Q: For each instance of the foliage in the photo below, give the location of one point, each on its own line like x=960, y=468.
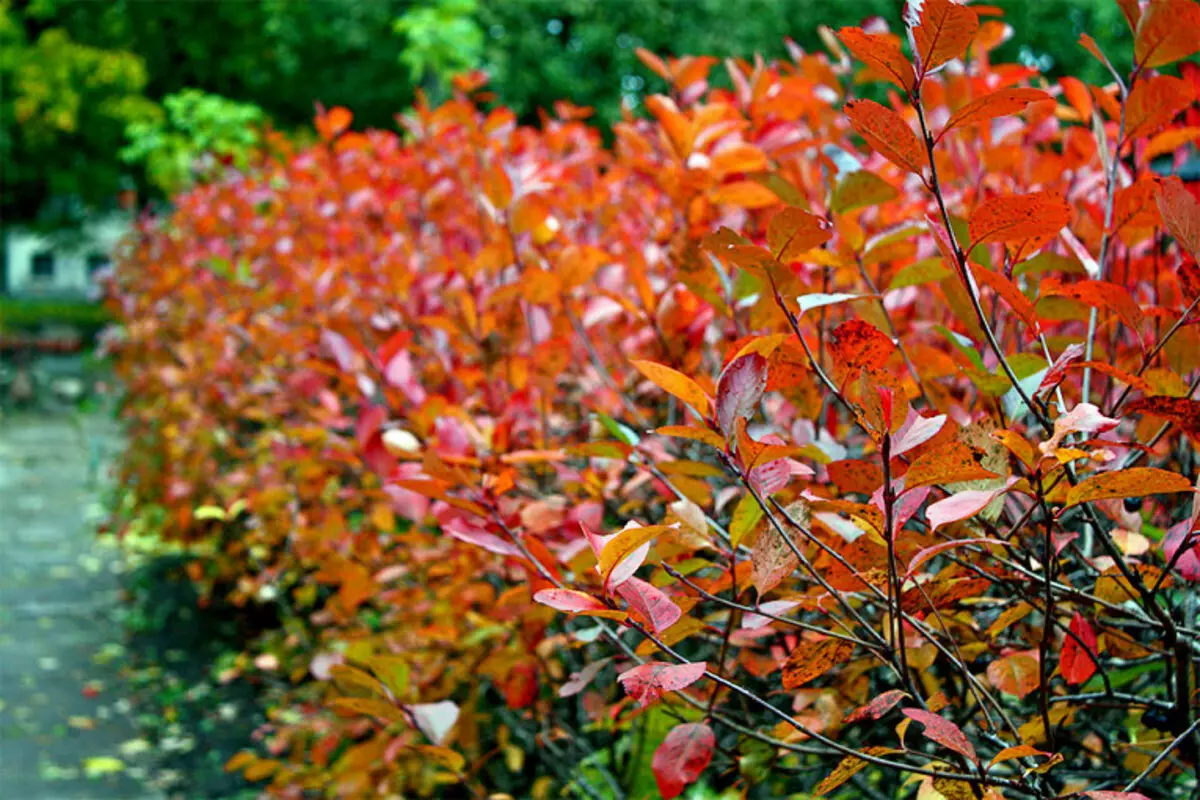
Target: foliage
x=797, y=442
x=198, y=128
x=63, y=113
x=442, y=39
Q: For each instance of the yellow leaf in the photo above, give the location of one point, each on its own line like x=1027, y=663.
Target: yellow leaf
x=1136, y=482
x=675, y=383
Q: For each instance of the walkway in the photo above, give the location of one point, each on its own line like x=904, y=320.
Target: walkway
x=64, y=732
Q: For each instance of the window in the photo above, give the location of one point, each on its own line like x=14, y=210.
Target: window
x=42, y=265
x=96, y=262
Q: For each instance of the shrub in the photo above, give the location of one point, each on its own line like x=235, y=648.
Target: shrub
x=723, y=455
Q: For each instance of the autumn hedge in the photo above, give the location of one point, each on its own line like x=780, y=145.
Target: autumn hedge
x=721, y=455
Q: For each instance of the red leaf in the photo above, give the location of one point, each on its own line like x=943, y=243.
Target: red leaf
x=739, y=389
x=1024, y=222
x=859, y=345
x=879, y=705
x=1116, y=795
x=1181, y=212
x=650, y=681
x=1183, y=411
x=1077, y=664
x=1058, y=370
x=682, y=757
x=944, y=732
x=651, y=603
x=888, y=133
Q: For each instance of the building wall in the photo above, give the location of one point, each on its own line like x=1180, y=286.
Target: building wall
x=71, y=272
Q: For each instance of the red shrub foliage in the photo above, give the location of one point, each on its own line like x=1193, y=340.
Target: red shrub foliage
x=790, y=419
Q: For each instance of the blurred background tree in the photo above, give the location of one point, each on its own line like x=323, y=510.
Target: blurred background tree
x=199, y=134
x=79, y=79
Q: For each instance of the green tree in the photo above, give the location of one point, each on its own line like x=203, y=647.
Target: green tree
x=64, y=108
x=441, y=39
x=200, y=133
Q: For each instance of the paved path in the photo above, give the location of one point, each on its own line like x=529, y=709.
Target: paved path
x=64, y=734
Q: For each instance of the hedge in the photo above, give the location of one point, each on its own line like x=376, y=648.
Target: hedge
x=720, y=456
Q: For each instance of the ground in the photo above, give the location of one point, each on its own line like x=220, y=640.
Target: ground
x=65, y=725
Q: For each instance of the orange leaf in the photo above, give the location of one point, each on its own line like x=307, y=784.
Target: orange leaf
x=745, y=194
x=1181, y=213
x=943, y=32
x=881, y=52
x=1015, y=298
x=887, y=132
x=847, y=768
x=1153, y=103
x=1016, y=674
x=857, y=345
x=679, y=129
x=953, y=462
x=1025, y=222
x=990, y=106
x=1166, y=32
x=675, y=383
x=794, y=231
x=812, y=659
x=696, y=434
x=1135, y=482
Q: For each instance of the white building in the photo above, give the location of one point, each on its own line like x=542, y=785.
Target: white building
x=58, y=265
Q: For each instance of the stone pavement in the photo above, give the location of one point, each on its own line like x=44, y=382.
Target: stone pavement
x=64, y=732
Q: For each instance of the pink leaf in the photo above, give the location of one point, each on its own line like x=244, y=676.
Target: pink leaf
x=682, y=757
x=340, y=348
x=963, y=504
x=651, y=603
x=929, y=552
x=652, y=680
x=465, y=532
x=1083, y=418
x=580, y=680
x=773, y=607
x=769, y=478
x=915, y=431
x=906, y=505
x=740, y=388
x=568, y=600
x=1077, y=664
x=944, y=732
x=1188, y=565
x=879, y=705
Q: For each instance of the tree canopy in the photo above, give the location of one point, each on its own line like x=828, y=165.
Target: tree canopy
x=79, y=78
